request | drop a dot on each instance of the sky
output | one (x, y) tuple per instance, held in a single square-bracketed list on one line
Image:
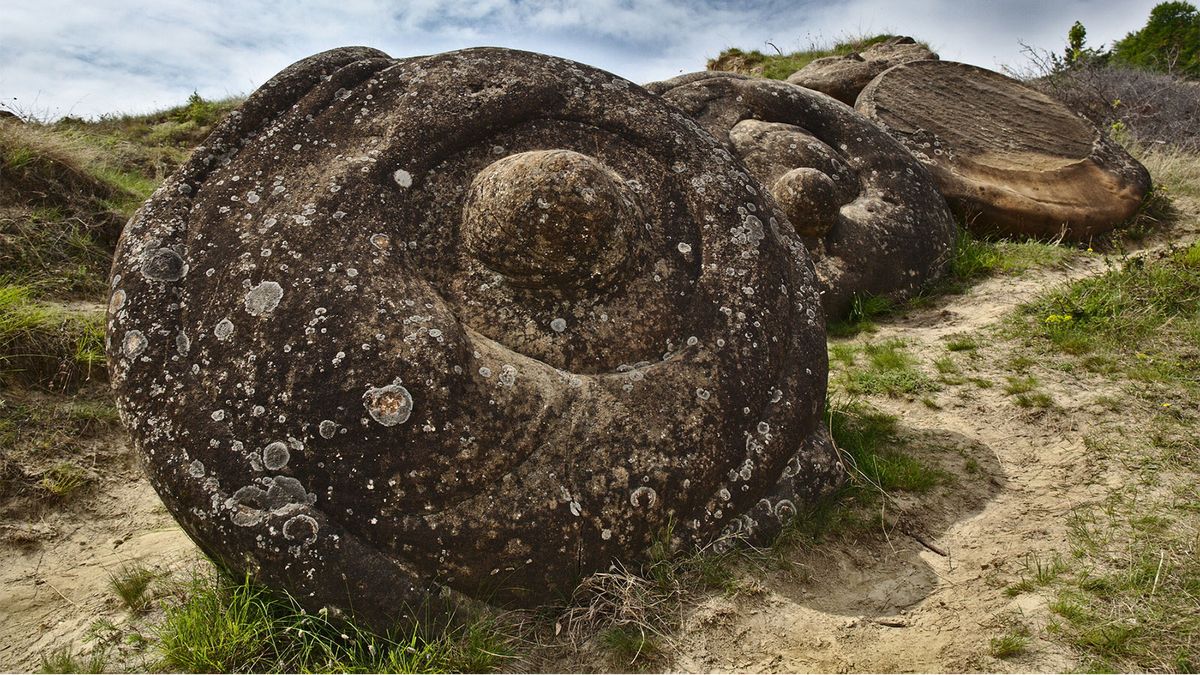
[(92, 57)]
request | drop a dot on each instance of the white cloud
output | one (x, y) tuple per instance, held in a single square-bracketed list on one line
[(88, 58)]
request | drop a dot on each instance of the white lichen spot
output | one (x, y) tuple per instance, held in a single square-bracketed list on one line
[(684, 247), (252, 197), (390, 405), (402, 178), (223, 329), (764, 428), (558, 325), (381, 242), (301, 528), (508, 375), (117, 301), (703, 394), (643, 494), (196, 469), (217, 415), (327, 428), (134, 344), (183, 344), (263, 298), (606, 534), (485, 371), (276, 456)]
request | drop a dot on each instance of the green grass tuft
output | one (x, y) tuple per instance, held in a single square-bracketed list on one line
[(961, 343), (45, 343), (864, 310), (63, 660), (975, 258), (630, 644), (131, 584), (1008, 645), (63, 479), (227, 626), (884, 368), (868, 440)]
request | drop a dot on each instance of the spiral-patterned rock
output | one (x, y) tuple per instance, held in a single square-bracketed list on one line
[(868, 211), (469, 325)]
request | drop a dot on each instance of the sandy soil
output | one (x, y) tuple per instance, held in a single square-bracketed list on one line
[(56, 555), (895, 605), (886, 603)]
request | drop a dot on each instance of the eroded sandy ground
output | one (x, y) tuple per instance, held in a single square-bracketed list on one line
[(897, 605)]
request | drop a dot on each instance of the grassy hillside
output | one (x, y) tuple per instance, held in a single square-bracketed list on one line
[(780, 66)]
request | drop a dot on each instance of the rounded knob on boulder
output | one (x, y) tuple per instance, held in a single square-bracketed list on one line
[(810, 200), (549, 218)]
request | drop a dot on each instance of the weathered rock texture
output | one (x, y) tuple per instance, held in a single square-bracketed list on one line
[(475, 323), (1008, 159), (869, 213), (843, 77)]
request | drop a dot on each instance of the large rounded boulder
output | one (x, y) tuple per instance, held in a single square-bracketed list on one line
[(869, 213), (1009, 160), (465, 326), (844, 76)]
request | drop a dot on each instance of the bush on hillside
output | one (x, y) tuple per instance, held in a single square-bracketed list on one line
[(1137, 105), (780, 66)]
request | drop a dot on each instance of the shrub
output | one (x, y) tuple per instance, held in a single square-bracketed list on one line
[(1141, 106)]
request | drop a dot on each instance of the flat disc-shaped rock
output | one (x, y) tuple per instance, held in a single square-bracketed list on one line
[(1009, 160), (843, 77), (481, 321), (869, 213)]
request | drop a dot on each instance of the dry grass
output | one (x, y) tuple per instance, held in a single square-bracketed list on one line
[(47, 344), (1173, 168), (779, 66)]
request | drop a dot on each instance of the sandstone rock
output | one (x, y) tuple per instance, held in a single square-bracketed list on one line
[(843, 77), (469, 325), (1008, 159), (869, 213)]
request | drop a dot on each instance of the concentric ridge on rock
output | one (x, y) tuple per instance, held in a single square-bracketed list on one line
[(471, 365)]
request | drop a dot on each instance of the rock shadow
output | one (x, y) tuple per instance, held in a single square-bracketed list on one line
[(880, 570)]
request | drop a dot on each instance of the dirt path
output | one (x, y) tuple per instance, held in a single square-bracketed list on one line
[(895, 605)]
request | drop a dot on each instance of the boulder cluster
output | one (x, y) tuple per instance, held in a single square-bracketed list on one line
[(467, 328)]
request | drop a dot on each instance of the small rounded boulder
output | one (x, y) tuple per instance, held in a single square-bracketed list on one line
[(868, 211)]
